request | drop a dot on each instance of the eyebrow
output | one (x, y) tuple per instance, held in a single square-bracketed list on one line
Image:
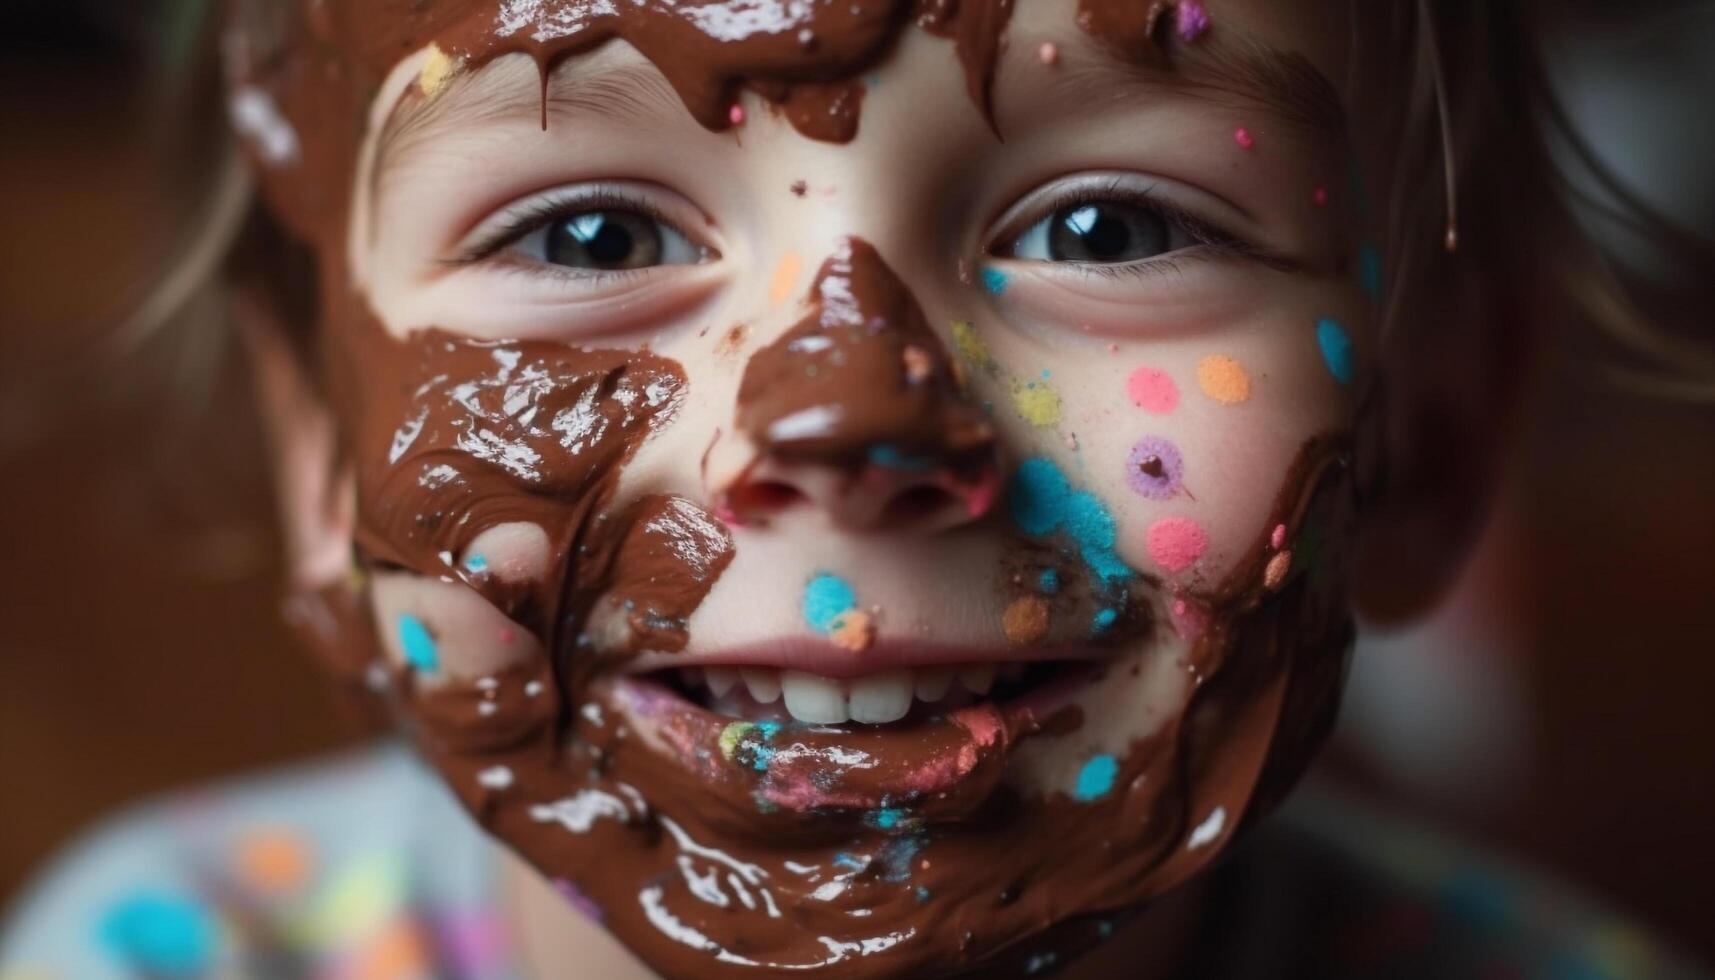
[(1284, 82), (505, 92)]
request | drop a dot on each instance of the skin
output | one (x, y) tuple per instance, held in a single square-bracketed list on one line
[(926, 182)]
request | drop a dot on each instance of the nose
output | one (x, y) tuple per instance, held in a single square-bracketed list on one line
[(857, 411)]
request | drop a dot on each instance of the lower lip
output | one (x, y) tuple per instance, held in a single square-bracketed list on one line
[(944, 768)]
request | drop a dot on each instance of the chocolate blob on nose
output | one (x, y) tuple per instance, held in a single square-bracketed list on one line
[(857, 409)]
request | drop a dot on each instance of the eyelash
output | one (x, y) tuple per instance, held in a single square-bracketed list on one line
[(532, 217), (1213, 241)]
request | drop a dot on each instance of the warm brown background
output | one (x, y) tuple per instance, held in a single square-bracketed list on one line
[(140, 648)]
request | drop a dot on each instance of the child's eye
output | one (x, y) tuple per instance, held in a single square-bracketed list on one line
[(607, 239), (1099, 232)]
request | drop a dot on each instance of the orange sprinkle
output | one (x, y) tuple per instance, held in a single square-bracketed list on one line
[(1223, 379), (853, 630), (785, 277), (1275, 572), (1026, 619), (274, 861)]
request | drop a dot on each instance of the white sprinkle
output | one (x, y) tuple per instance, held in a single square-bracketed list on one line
[(1209, 829), (495, 777), (258, 119)]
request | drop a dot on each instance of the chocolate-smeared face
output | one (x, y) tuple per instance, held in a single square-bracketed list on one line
[(854, 486)]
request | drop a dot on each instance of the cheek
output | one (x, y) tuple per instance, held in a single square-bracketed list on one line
[(443, 632)]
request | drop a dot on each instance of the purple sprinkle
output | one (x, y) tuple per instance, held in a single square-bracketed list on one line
[(578, 900), (1155, 468), (1193, 20)]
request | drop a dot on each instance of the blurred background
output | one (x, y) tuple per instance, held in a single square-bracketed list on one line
[(1558, 707)]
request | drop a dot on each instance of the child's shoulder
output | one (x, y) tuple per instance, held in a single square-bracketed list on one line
[(1348, 892), (274, 875)]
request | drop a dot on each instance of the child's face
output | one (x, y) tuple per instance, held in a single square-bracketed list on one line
[(707, 480)]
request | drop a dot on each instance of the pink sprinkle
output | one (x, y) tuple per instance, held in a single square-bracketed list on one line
[(1242, 136), (1049, 53), (1152, 390), (507, 635), (1278, 538), (735, 115), (1176, 542), (1193, 20), (1320, 197)]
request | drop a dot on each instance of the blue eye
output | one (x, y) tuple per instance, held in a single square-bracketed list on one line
[(608, 239), (1100, 233)]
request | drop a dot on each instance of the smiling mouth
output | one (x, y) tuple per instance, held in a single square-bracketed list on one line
[(885, 687)]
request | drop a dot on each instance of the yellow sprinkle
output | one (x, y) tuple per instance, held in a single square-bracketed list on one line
[(1275, 572), (971, 346), (785, 277), (852, 630), (437, 71), (731, 734), (1223, 379), (1037, 403)]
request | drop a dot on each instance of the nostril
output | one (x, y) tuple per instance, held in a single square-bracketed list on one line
[(921, 504), (765, 497)]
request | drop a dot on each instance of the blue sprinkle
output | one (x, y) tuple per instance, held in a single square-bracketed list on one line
[(476, 564), (845, 860), (161, 933), (825, 598), (1370, 272), (761, 756), (1046, 374), (1336, 347), (419, 646), (891, 457), (1104, 619), (1096, 779), (769, 729), (888, 818), (923, 894), (1043, 501), (994, 281), (1049, 582)]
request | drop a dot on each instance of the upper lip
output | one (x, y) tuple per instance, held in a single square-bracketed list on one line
[(817, 656)]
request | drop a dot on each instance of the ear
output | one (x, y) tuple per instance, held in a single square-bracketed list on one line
[(314, 486)]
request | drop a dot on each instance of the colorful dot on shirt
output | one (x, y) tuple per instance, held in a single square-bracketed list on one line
[(161, 933), (1096, 779), (417, 644)]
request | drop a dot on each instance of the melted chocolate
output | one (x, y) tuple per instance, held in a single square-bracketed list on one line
[(749, 850)]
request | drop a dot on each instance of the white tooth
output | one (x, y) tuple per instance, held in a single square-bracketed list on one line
[(764, 683), (1012, 670), (932, 682), (813, 698), (977, 677), (881, 697), (720, 679)]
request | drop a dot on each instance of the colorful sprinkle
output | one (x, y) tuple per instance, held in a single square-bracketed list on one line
[(273, 862), (1025, 620), (1048, 581), (1154, 468), (1096, 779), (994, 281), (1223, 379), (735, 114), (1048, 53), (1043, 502), (1152, 390), (1277, 539), (917, 363), (1175, 543), (1192, 19), (476, 564), (1243, 137), (785, 277), (971, 346), (438, 70), (825, 599), (1274, 573), (161, 933), (730, 735), (418, 645), (1370, 272), (886, 818), (1336, 347), (1036, 402), (852, 630), (1103, 620)]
